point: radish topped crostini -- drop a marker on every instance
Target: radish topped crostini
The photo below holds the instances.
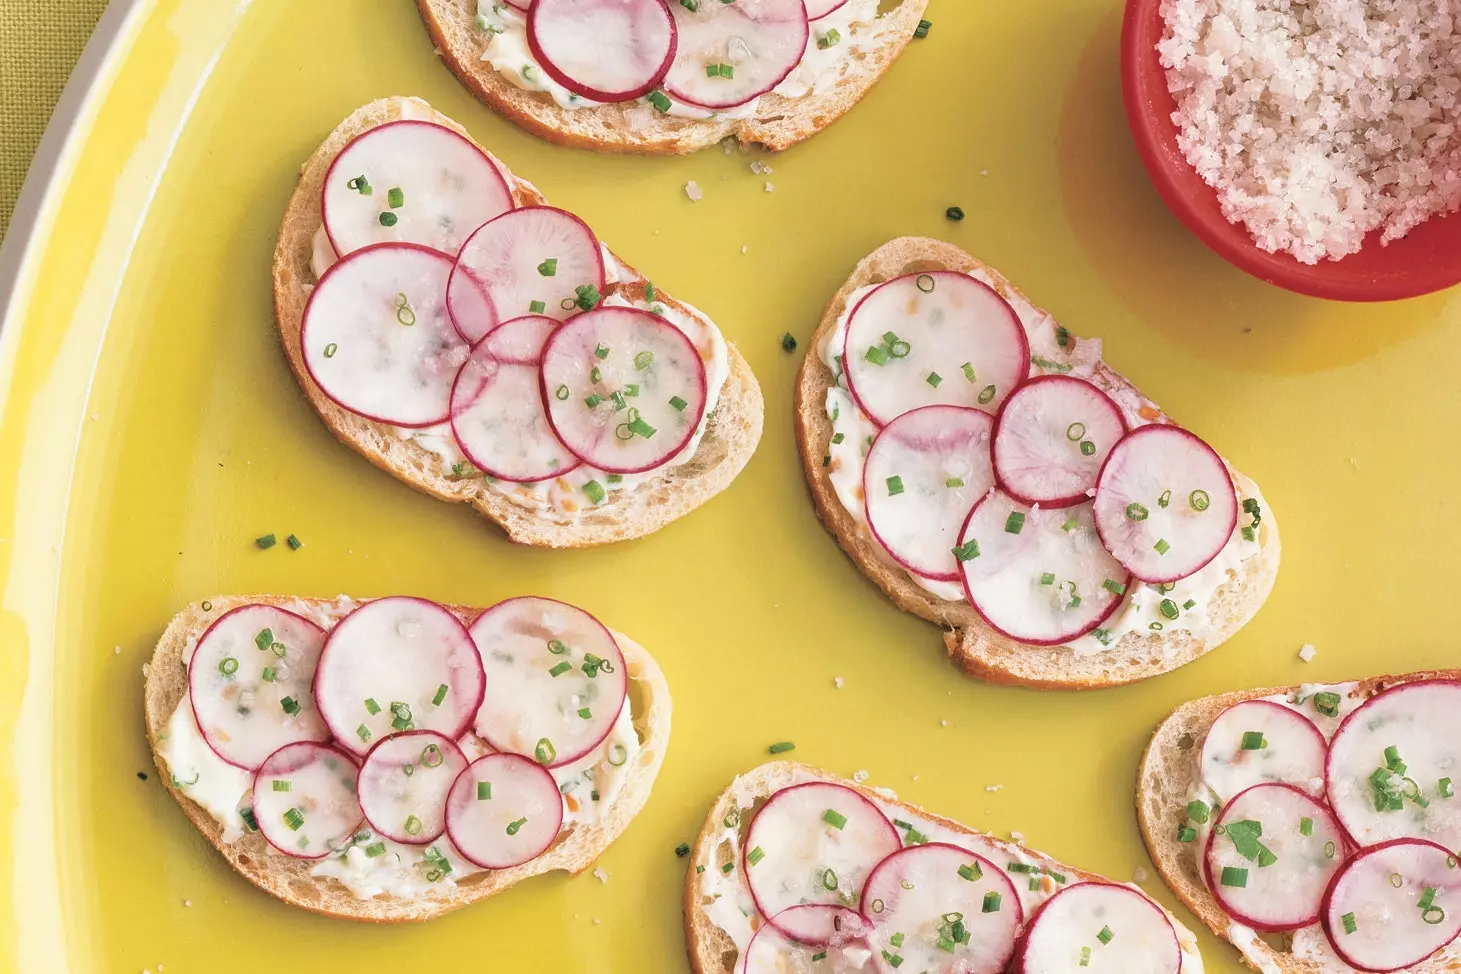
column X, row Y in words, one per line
column 993, row 475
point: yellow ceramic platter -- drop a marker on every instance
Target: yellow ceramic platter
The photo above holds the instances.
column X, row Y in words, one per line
column 150, row 431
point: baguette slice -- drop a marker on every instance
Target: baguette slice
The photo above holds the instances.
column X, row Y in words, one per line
column 1170, row 765
column 636, row 127
column 732, row 431
column 712, row 951
column 574, row 851
column 980, row 651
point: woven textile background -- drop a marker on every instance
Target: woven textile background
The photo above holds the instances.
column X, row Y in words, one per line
column 40, row 41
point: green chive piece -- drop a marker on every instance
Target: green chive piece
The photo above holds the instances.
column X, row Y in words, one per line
column 537, row 307
column 545, row 752
column 1186, row 833
column 388, row 219
column 781, row 747
column 1189, row 604
column 441, row 692
column 396, row 198
column 375, row 850
column 1199, row 500
column 595, row 492
column 1253, row 741
column 1161, row 547
column 360, row 184
column 1070, row 525
column 1105, row 936
column 228, row 666
column 991, row 902
column 1234, row 877
column 659, row 99
column 921, row 31
column 954, row 213
column 971, row 872
column 834, row 818
column 1062, row 336
column 281, row 785
column 266, row 542
column 1168, row 608
column 484, row 791
column 968, row 369
column 371, row 707
column 1350, row 926
column 294, row 818
column 1247, row 533
column 1047, row 579
column 986, row 395
column 1015, row 523
column 1198, row 812
column 682, row 850
column 1137, row 512
column 1085, row 957
column 953, row 482
column 549, row 267
column 967, row 551
column 290, row 706
column 1327, row 703
column 895, row 486
column 728, row 868
column 755, row 856
column 934, row 379
column 586, row 713
column 331, row 349
column 1445, row 789
column 1114, row 587
column 1088, row 449
column 1306, row 826
column 363, row 732
column 877, row 355
column 1075, row 432
column 514, row 827
column 560, row 669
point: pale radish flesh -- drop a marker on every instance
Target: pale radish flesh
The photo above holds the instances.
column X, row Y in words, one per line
column 1270, row 856
column 773, row 951
column 1394, row 767
column 1394, row 905
column 1165, row 503
column 376, row 336
column 728, row 54
column 1039, row 576
column 304, row 799
column 1050, row 438
column 404, row 781
column 933, row 339
column 537, row 260
column 249, row 683
column 625, row 389
column 1259, row 741
column 497, row 412
column 397, row 664
column 556, row 680
column 503, row 810
column 942, row 909
column 410, row 182
column 606, row 50
column 1099, row 928
column 814, row 843
column 817, row 9
column 923, row 473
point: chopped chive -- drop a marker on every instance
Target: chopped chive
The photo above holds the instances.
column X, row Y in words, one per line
column 586, row 713
column 1015, row 523
column 1199, row 500
column 1198, row 811
column 595, row 491
column 371, row 707
column 375, row 850
column 1306, row 826
column 294, row 543
column 228, row 666
column 537, row 307
column 1444, row 787
column 388, row 219
column 728, row 868
column 895, row 486
column 514, row 827
column 1085, row 957
column 266, row 542
column 955, row 213
column 545, row 752
column 659, row 99
column 1137, row 512
column 925, row 283
column 360, row 184
column 920, row 32
column 987, row 394
column 1047, row 579
column 396, row 198
column 1186, row 833
column 877, row 355
column 1161, row 547
column 290, row 706
column 1114, row 587
column 991, row 902
column 1075, row 432
column 829, row 880
column 953, row 482
column 1070, row 525
column 1247, row 533
column 1327, row 703
column 1062, row 336
column 834, row 818
column 363, row 732
column 441, row 692
column 934, row 379
column 294, row 818
column 1189, row 604
column 1105, row 936
column 1049, row 365
column 549, row 267
column 1088, row 449
column 967, row 551
column 1350, row 926
column 781, row 747
column 682, row 850
column 1234, row 877
column 755, row 856
column 484, row 791
column 282, row 785
column 560, row 669
column 270, row 674
column 971, row 872
column 1253, row 741
column 968, row 368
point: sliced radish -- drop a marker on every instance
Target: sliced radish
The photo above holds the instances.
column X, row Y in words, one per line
column 1394, row 905
column 933, row 339
column 377, row 339
column 1165, row 503
column 625, row 389
column 556, row 680
column 398, row 664
column 814, row 843
column 1099, row 928
column 923, row 473
column 497, row 412
column 1039, row 576
column 536, row 260
column 503, row 811
column 1259, row 741
column 817, row 9
column 773, row 951
column 606, row 50
column 958, row 913
column 1394, row 766
column 728, row 54
column 404, row 782
column 1051, row 437
column 249, row 682
column 410, row 182
column 304, row 799
column 1270, row 856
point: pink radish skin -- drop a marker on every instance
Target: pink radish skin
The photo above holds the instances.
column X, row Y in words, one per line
column 770, row 947
column 1406, row 939
column 317, row 790
column 1228, row 769
column 817, row 9
column 390, row 796
column 579, row 42
column 1035, row 458
column 1159, row 953
column 519, row 789
column 772, row 37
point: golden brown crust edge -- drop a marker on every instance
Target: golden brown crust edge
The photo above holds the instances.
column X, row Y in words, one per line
column 979, row 651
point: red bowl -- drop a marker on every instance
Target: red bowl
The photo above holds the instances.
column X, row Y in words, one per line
column 1426, row 260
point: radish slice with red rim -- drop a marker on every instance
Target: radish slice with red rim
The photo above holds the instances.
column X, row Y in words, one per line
column 1165, row 503
column 497, row 412
column 933, row 339
column 503, row 810
column 1394, row 905
column 1270, row 856
column 398, row 664
column 1099, row 928
column 773, row 951
column 377, row 339
column 556, row 680
column 728, row 54
column 304, row 799
column 814, row 843
column 536, row 260
column 1260, row 741
column 1394, row 767
column 1039, row 576
column 625, row 389
column 958, row 912
column 249, row 682
column 410, row 182
column 404, row 783
column 606, row 50
column 817, row 9
column 923, row 473
column 1050, row 438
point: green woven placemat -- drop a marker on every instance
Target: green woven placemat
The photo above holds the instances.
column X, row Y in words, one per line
column 40, row 41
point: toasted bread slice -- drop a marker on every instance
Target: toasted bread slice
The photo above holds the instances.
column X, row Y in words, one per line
column 1168, row 769
column 635, row 126
column 732, row 431
column 713, row 951
column 980, row 651
column 289, row 879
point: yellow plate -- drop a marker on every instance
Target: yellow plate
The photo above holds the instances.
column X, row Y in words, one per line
column 151, row 431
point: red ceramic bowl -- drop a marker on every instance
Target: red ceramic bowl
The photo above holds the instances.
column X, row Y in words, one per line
column 1427, row 260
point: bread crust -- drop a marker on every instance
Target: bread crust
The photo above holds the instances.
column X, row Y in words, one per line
column 980, row 651
column 636, row 128
column 1169, row 766
column 732, row 431
column 575, row 849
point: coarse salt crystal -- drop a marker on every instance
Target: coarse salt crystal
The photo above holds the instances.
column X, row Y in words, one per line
column 1307, row 652
column 859, row 776
column 692, row 190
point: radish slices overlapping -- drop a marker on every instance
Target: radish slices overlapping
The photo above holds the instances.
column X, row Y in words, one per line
column 1041, row 494
column 371, row 723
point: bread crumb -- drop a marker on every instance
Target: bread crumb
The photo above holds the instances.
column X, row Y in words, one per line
column 745, row 249
column 692, row 190
column 859, row 776
column 1307, row 652
column 984, row 172
column 943, row 723
column 185, row 903
column 1141, row 875
column 596, row 921
column 116, row 651
column 915, row 777
column 600, row 875
column 993, row 788
column 837, row 682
